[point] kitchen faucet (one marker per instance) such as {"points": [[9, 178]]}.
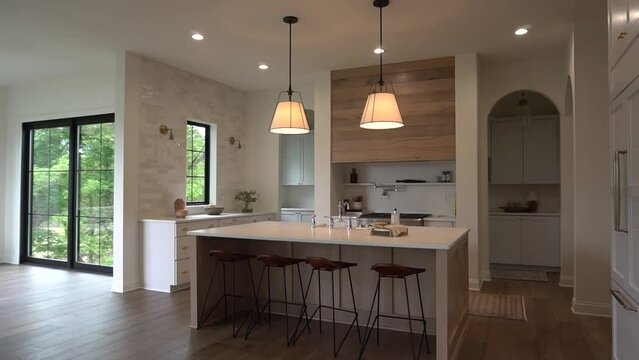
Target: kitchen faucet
{"points": [[339, 218]]}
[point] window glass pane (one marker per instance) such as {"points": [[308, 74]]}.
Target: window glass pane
{"points": [[107, 147], [89, 147], [58, 238], [39, 236], [58, 193], [198, 190], [196, 164], [40, 149], [106, 242], [89, 247], [106, 195], [89, 193], [40, 193]]}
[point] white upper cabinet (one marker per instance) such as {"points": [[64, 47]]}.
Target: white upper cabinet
{"points": [[524, 151], [297, 159], [507, 149], [619, 38], [541, 151]]}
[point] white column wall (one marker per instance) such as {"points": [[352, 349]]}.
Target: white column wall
{"points": [[467, 157], [3, 168]]}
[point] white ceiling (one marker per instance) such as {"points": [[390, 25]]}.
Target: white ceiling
{"points": [[42, 38]]}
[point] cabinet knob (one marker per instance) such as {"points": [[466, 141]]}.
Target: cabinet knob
{"points": [[621, 35], [184, 247], [184, 229], [212, 226], [185, 272]]}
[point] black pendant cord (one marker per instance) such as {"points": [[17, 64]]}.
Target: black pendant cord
{"points": [[290, 60], [381, 46]]}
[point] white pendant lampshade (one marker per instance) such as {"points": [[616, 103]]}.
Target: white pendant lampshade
{"points": [[381, 112], [289, 119]]}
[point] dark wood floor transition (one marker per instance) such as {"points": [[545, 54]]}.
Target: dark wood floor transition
{"points": [[58, 314]]}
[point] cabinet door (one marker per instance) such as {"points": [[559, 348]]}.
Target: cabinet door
{"points": [[308, 161], [290, 217], [291, 160], [541, 151], [625, 327], [505, 240], [630, 193], [620, 240], [506, 150], [540, 241], [619, 38]]}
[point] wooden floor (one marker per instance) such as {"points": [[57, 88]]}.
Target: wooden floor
{"points": [[57, 314]]}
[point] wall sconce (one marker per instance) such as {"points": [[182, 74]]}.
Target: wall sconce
{"points": [[167, 130], [233, 140], [164, 130]]}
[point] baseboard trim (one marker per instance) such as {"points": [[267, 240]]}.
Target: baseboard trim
{"points": [[475, 284], [591, 309], [566, 281]]}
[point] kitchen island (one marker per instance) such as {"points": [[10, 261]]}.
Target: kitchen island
{"points": [[443, 252]]}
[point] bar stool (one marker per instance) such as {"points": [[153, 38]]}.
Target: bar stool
{"points": [[322, 264], [276, 261], [224, 257], [395, 271]]}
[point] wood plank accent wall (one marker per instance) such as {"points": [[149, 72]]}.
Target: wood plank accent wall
{"points": [[425, 91]]}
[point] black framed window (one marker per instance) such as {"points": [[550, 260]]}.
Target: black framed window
{"points": [[198, 140], [67, 193]]}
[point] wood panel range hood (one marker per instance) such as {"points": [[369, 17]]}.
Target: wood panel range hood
{"points": [[425, 91]]}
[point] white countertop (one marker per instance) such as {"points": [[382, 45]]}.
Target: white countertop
{"points": [[205, 217], [418, 237], [522, 214]]}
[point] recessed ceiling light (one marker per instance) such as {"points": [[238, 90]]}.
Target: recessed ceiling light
{"points": [[521, 31], [262, 67], [197, 36], [378, 50]]}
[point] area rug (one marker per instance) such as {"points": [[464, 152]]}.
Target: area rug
{"points": [[515, 274], [496, 305]]}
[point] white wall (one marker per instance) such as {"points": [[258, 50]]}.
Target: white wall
{"points": [[592, 196], [546, 75], [325, 193], [467, 158], [3, 169], [78, 95]]}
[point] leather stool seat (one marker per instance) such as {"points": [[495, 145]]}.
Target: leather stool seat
{"points": [[278, 261], [328, 265], [395, 270], [225, 256]]}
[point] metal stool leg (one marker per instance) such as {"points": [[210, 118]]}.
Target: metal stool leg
{"points": [[286, 307], [233, 296], [421, 305], [410, 322], [371, 326], [299, 320], [268, 284], [379, 292], [226, 313], [206, 298], [333, 309], [319, 287], [256, 306], [304, 306], [350, 280]]}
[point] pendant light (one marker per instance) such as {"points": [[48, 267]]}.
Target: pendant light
{"points": [[289, 117], [381, 110]]}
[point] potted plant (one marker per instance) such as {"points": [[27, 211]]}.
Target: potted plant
{"points": [[247, 197]]}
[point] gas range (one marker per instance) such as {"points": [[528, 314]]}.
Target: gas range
{"points": [[410, 219]]}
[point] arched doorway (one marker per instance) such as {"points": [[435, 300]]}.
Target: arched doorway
{"points": [[524, 186]]}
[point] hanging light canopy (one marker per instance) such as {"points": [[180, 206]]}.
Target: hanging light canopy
{"points": [[289, 117], [381, 110]]}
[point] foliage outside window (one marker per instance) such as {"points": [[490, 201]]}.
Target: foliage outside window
{"points": [[197, 163], [69, 191]]}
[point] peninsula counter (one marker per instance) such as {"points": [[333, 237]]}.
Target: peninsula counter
{"points": [[443, 252]]}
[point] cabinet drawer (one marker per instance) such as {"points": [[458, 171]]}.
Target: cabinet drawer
{"points": [[182, 271], [184, 228], [235, 221], [183, 247]]}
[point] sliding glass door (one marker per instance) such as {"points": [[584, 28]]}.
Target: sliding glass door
{"points": [[67, 193]]}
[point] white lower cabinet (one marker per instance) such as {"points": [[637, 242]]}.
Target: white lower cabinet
{"points": [[167, 249], [625, 325], [525, 240]]}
